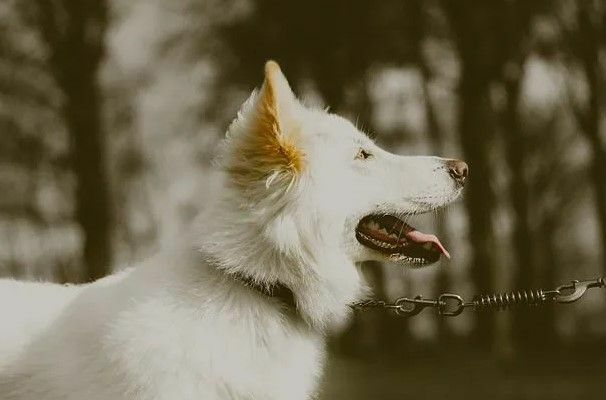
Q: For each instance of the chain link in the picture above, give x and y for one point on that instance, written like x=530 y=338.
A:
x=451 y=305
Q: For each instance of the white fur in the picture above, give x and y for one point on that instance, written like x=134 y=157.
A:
x=178 y=326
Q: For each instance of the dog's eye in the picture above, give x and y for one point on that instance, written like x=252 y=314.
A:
x=363 y=155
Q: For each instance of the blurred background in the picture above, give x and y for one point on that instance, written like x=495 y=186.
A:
x=110 y=112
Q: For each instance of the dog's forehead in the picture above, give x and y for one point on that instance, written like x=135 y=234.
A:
x=333 y=127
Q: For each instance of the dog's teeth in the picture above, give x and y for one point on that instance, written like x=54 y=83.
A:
x=395 y=237
x=378 y=243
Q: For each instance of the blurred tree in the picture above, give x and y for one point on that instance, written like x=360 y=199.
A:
x=515 y=46
x=477 y=27
x=35 y=207
x=74 y=33
x=587 y=45
x=540 y=140
x=421 y=33
x=531 y=265
x=334 y=51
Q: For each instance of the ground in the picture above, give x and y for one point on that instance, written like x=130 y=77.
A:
x=561 y=375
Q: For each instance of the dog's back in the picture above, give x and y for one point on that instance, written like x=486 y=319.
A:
x=26 y=308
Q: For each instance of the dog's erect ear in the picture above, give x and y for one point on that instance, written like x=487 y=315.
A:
x=276 y=93
x=275 y=125
x=267 y=150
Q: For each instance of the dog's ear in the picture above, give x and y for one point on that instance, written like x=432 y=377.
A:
x=276 y=95
x=275 y=125
x=268 y=147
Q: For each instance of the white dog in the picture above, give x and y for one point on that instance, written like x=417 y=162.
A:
x=239 y=310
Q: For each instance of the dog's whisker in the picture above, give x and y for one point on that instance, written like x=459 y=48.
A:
x=400 y=233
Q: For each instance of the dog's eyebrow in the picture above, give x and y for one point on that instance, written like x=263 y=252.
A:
x=370 y=135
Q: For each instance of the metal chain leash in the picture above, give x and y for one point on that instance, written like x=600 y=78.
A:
x=451 y=305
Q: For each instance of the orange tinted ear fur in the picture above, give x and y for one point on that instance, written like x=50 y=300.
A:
x=272 y=121
x=268 y=149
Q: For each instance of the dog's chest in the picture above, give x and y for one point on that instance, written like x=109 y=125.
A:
x=225 y=354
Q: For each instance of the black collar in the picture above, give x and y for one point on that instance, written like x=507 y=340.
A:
x=277 y=291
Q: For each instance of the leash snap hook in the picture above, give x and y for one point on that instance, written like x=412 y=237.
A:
x=410 y=307
x=576 y=289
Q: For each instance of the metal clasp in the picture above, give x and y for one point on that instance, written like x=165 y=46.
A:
x=447 y=304
x=451 y=305
x=576 y=289
x=410 y=307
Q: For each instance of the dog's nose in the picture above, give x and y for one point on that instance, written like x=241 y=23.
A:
x=458 y=170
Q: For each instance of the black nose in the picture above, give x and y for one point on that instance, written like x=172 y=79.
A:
x=458 y=170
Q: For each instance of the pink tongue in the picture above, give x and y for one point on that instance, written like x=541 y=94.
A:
x=420 y=237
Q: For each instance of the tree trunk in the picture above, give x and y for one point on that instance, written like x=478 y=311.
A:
x=519 y=16
x=590 y=35
x=436 y=138
x=474 y=126
x=74 y=32
x=477 y=25
x=518 y=193
x=81 y=113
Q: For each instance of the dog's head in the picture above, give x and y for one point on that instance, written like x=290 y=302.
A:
x=317 y=185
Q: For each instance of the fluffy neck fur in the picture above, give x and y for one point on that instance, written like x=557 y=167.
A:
x=272 y=246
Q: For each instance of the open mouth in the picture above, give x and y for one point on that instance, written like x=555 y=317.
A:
x=399 y=241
